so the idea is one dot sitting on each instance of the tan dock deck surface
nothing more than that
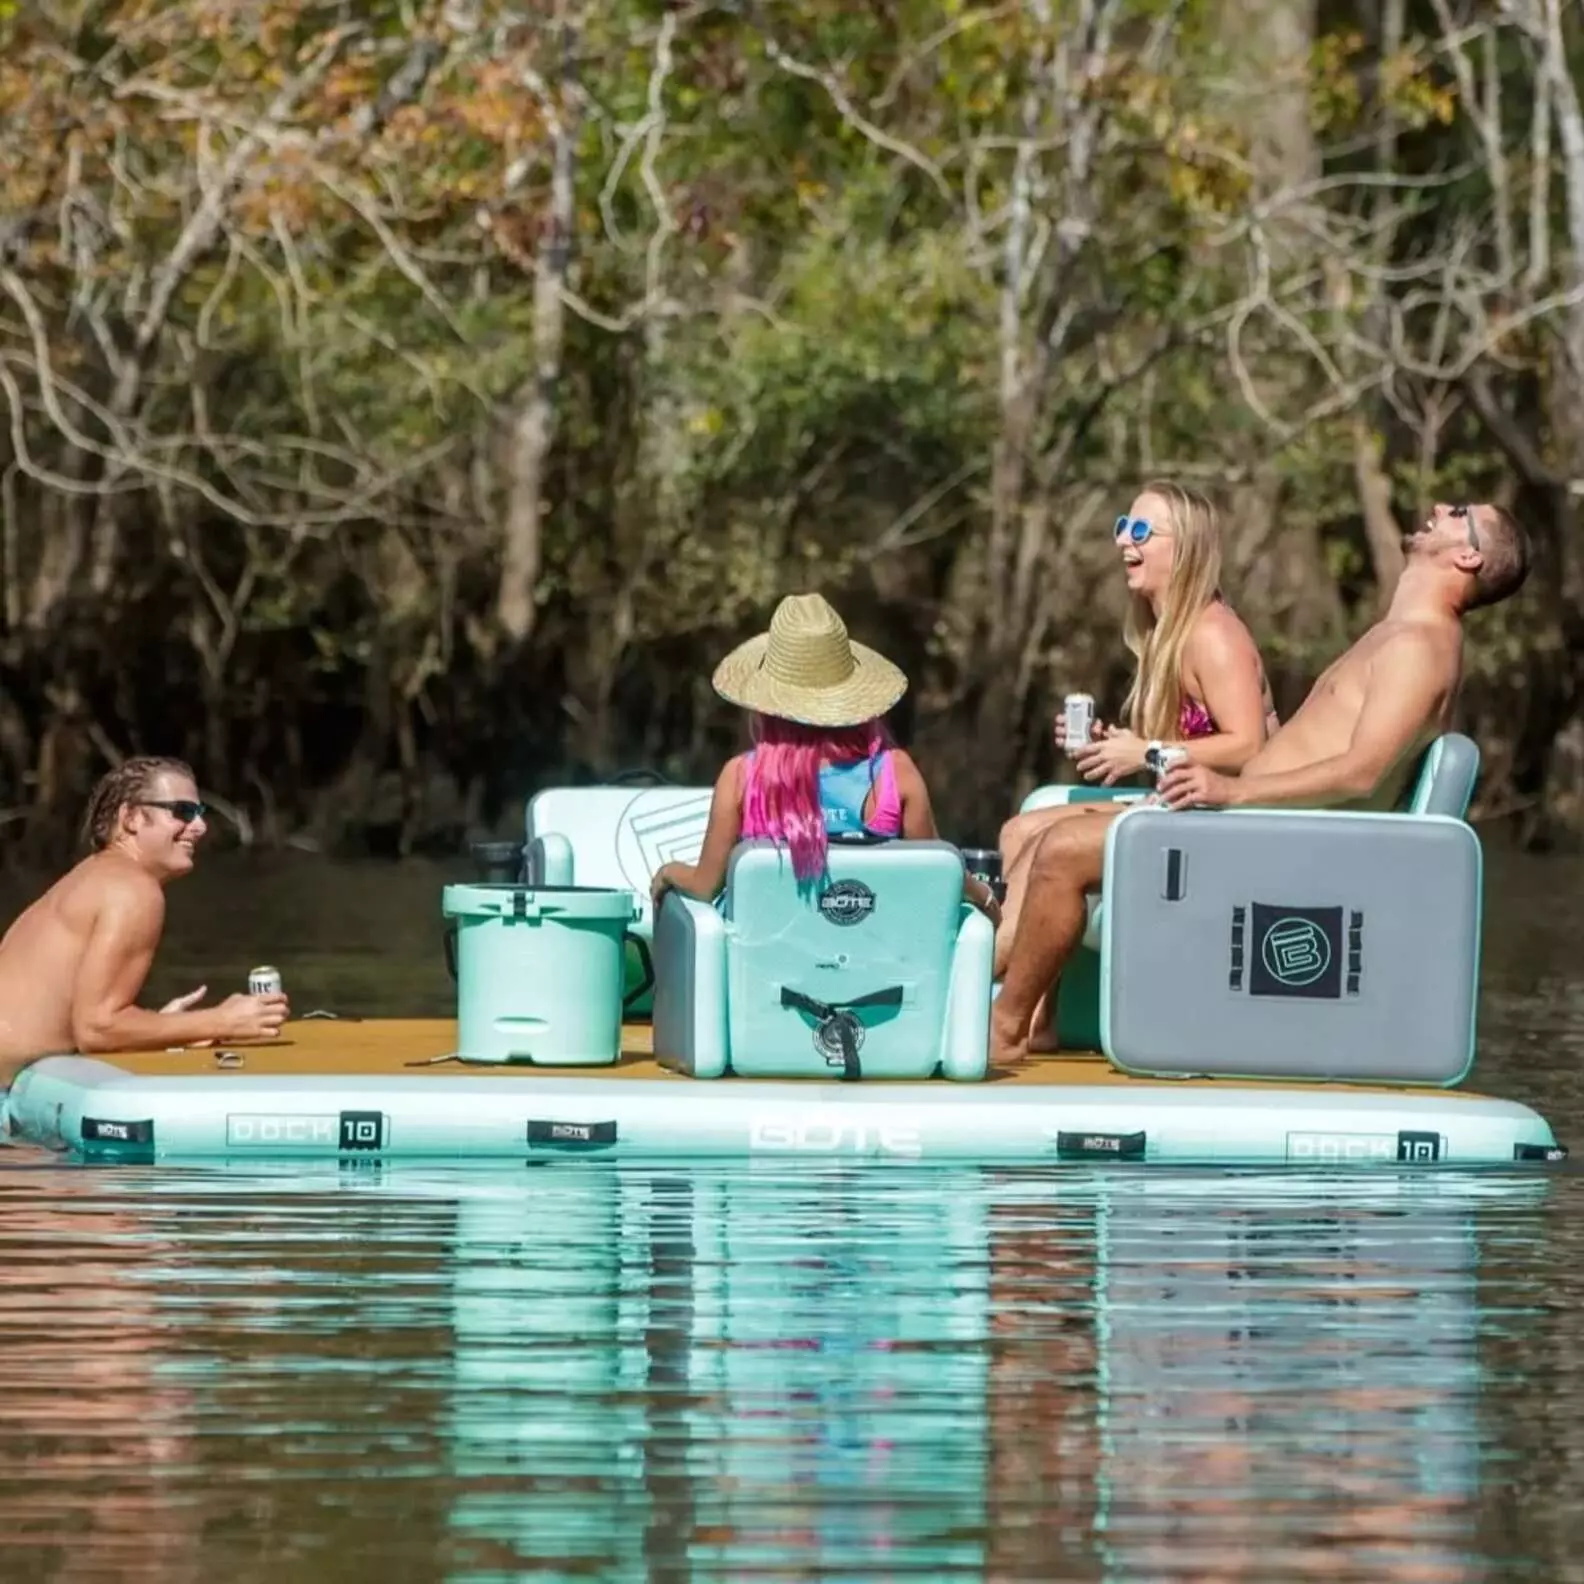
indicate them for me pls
(406, 1047)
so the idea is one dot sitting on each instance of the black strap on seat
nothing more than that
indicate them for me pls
(835, 1018)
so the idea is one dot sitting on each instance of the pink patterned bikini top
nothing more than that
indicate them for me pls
(1193, 720)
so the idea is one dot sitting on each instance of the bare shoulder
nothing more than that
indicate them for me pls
(108, 884)
(906, 769)
(1220, 634)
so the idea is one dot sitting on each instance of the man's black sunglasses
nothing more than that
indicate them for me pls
(185, 809)
(1467, 514)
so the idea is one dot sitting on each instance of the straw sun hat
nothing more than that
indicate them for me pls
(807, 669)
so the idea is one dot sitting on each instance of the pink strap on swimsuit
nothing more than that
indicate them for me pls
(887, 817)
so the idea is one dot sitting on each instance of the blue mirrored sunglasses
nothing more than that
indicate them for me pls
(1137, 529)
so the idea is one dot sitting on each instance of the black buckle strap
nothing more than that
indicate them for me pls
(835, 1019)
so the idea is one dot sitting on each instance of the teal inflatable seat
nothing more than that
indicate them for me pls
(540, 971)
(615, 836)
(1383, 910)
(880, 970)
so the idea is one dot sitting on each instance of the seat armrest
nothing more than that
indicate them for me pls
(690, 1029)
(965, 1052)
(1065, 794)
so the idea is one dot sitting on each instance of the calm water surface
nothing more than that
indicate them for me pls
(582, 1372)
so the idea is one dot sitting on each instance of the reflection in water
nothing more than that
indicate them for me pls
(546, 1418)
(732, 1373)
(1296, 1389)
(94, 1441)
(740, 1369)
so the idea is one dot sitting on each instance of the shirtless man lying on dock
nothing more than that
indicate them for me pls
(1353, 742)
(73, 964)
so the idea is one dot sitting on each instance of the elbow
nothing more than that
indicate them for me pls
(1359, 780)
(93, 1036)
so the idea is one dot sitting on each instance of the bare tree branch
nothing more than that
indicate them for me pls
(855, 118)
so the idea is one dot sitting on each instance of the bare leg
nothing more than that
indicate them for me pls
(1015, 868)
(1020, 833)
(1065, 865)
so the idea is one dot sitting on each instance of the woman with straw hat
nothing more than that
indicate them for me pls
(823, 764)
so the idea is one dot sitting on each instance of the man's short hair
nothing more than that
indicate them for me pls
(130, 781)
(1504, 545)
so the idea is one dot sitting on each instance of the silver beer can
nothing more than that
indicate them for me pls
(265, 980)
(1077, 719)
(1161, 759)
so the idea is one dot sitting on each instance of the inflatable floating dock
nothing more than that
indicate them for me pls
(361, 1092)
(1258, 987)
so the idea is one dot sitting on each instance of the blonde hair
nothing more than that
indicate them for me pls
(130, 781)
(1154, 702)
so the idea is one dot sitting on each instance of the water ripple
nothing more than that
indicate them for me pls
(738, 1373)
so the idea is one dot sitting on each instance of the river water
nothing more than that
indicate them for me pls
(585, 1372)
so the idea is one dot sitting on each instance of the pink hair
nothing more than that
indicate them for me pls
(781, 798)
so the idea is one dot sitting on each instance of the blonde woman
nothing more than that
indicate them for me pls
(1200, 683)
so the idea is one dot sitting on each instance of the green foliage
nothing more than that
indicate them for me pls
(884, 299)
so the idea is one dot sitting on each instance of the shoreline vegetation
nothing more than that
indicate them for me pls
(402, 406)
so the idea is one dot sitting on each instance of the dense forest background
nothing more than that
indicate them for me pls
(405, 403)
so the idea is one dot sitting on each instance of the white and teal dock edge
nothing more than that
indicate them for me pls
(93, 1110)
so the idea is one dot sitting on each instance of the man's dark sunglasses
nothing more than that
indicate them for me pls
(1467, 514)
(185, 809)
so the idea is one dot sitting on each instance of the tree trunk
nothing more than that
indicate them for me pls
(533, 426)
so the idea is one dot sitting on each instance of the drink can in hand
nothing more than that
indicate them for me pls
(1161, 759)
(265, 981)
(1077, 719)
(984, 863)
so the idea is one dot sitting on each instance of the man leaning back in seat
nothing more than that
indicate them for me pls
(1352, 743)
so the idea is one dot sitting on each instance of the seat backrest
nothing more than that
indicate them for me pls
(880, 928)
(619, 835)
(1447, 774)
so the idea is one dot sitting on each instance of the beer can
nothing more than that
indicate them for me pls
(1161, 759)
(984, 863)
(1078, 719)
(265, 980)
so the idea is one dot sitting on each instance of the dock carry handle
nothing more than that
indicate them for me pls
(835, 1020)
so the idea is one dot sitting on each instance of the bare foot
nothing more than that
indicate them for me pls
(1008, 1037)
(1042, 1027)
(1043, 1041)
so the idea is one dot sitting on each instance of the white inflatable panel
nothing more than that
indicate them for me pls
(96, 1110)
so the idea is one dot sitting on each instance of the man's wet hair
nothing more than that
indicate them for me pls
(130, 782)
(1504, 547)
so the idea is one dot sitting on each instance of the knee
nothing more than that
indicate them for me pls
(1068, 849)
(1013, 831)
(1049, 857)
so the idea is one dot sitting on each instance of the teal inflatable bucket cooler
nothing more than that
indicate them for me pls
(540, 971)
